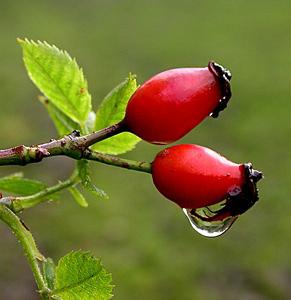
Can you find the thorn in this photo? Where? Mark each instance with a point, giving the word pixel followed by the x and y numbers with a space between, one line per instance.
pixel 75 133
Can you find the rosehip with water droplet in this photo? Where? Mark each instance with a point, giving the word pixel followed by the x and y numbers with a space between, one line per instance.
pixel 194 176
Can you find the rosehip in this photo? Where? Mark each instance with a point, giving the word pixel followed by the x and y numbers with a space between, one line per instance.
pixel 194 177
pixel 171 103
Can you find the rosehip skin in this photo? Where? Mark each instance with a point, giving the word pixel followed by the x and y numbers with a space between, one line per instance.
pixel 171 103
pixel 194 176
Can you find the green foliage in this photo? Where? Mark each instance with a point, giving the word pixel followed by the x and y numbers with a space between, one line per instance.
pixel 48 268
pixel 59 78
pixel 18 185
pixel 78 196
pixel 68 101
pixel 63 123
pixel 79 275
pixel 111 111
pixel 84 174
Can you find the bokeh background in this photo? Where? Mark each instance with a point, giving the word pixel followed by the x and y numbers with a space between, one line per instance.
pixel 143 239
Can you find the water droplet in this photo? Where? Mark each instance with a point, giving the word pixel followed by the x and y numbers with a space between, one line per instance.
pixel 206 227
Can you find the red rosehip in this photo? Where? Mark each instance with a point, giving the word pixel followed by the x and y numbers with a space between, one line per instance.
pixel 194 177
pixel 171 103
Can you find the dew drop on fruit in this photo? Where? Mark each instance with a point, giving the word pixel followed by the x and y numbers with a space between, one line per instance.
pixel 206 227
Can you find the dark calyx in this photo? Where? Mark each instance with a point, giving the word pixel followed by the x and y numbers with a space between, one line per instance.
pixel 239 202
pixel 223 75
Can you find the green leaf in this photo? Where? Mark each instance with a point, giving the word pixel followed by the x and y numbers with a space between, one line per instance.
pixel 84 174
pixel 18 185
pixel 77 195
pixel 63 123
pixel 79 275
pixel 59 78
pixel 97 192
pixel 111 111
pixel 49 272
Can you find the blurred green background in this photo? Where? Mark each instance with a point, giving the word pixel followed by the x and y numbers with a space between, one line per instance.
pixel 143 239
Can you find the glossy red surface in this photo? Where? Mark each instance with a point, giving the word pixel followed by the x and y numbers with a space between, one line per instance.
pixel 170 104
pixel 194 176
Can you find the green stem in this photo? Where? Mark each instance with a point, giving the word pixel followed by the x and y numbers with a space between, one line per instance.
pixel 19 203
pixel 27 242
pixel 140 166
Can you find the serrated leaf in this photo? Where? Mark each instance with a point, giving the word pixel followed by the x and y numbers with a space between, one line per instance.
pixel 59 78
pixel 79 275
pixel 97 192
pixel 18 185
pixel 84 174
pixel 77 195
pixel 48 268
pixel 111 111
pixel 63 123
